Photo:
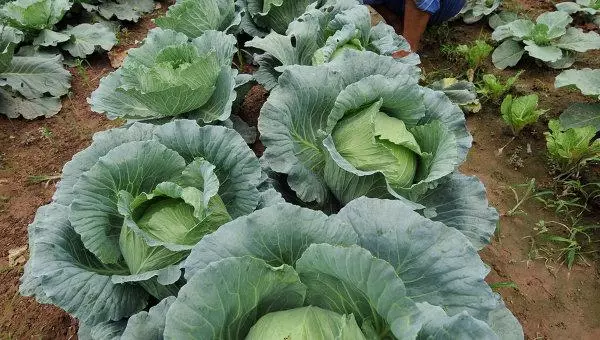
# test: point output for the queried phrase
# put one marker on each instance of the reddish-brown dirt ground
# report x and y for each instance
(551, 301)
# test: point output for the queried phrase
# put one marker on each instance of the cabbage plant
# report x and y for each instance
(194, 17)
(38, 19)
(127, 212)
(31, 83)
(548, 39)
(361, 125)
(590, 8)
(494, 88)
(168, 76)
(571, 148)
(519, 112)
(320, 34)
(475, 10)
(376, 270)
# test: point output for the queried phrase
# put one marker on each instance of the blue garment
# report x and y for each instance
(440, 10)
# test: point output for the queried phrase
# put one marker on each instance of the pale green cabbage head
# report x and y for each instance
(305, 323)
(172, 76)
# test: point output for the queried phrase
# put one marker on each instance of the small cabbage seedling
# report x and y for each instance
(475, 53)
(494, 88)
(520, 111)
(475, 10)
(548, 39)
(589, 8)
(572, 148)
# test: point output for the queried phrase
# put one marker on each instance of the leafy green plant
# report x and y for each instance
(573, 147)
(38, 19)
(475, 53)
(169, 76)
(502, 18)
(492, 87)
(127, 212)
(31, 82)
(376, 270)
(475, 10)
(361, 125)
(321, 34)
(548, 39)
(589, 8)
(194, 17)
(520, 111)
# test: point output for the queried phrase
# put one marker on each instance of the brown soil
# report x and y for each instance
(41, 148)
(250, 111)
(551, 301)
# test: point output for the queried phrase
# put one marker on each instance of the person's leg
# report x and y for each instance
(415, 23)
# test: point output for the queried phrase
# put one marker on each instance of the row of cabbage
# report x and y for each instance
(171, 227)
(38, 36)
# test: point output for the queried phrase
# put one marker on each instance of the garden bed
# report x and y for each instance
(550, 300)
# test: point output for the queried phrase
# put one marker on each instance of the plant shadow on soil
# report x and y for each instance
(550, 301)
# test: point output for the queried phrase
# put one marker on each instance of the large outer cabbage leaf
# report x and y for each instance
(589, 8)
(320, 34)
(9, 38)
(474, 10)
(85, 38)
(194, 17)
(171, 76)
(586, 80)
(263, 16)
(310, 101)
(96, 251)
(389, 267)
(126, 10)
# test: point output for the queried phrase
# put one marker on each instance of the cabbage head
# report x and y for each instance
(172, 76)
(361, 125)
(321, 34)
(127, 212)
(194, 17)
(376, 270)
